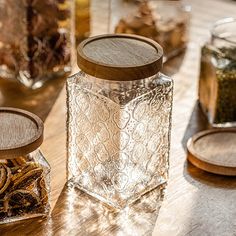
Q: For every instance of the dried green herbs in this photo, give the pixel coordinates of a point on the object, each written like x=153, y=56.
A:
x=217, y=88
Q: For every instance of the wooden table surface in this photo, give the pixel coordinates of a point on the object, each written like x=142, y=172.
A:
x=196, y=203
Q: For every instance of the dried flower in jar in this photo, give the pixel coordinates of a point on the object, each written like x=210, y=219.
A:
x=22, y=187
x=34, y=39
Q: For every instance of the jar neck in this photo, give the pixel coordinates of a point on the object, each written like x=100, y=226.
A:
x=223, y=34
x=120, y=92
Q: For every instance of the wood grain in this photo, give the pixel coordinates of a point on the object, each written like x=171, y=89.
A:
x=196, y=204
x=21, y=132
x=214, y=151
x=114, y=57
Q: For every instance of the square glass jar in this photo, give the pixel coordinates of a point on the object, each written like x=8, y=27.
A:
x=217, y=82
x=118, y=130
x=35, y=40
x=24, y=171
x=166, y=22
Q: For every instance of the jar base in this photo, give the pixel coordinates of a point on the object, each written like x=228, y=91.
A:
x=25, y=217
x=117, y=203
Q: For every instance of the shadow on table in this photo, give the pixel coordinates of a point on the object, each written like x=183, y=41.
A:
x=39, y=101
x=212, y=197
x=198, y=122
x=173, y=65
x=76, y=213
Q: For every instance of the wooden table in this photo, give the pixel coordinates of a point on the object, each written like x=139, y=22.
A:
x=196, y=204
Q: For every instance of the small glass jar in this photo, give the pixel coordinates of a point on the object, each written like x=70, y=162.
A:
x=24, y=172
x=166, y=22
x=217, y=82
x=35, y=40
x=119, y=116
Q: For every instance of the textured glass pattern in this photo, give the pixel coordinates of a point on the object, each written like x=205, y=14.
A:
x=24, y=187
x=118, y=136
x=34, y=40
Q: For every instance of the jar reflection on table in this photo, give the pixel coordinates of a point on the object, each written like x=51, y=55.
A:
x=166, y=22
x=119, y=121
x=217, y=83
x=35, y=40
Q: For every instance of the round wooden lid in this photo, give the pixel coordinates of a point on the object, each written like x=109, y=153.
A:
x=21, y=132
x=214, y=151
x=120, y=57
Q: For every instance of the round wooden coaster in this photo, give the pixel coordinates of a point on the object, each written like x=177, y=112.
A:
x=21, y=132
x=214, y=151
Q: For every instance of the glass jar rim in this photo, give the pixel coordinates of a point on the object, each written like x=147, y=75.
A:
x=219, y=23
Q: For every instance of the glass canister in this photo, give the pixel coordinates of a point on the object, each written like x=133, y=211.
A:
x=119, y=116
x=35, y=40
x=217, y=83
x=166, y=22
x=24, y=172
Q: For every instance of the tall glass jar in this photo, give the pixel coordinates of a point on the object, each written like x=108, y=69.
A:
x=166, y=22
x=35, y=40
x=119, y=115
x=217, y=83
x=24, y=172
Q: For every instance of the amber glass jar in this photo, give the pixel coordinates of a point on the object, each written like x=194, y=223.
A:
x=35, y=40
x=24, y=172
x=217, y=83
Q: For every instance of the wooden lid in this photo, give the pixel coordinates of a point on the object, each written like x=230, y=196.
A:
x=120, y=57
x=214, y=151
x=21, y=132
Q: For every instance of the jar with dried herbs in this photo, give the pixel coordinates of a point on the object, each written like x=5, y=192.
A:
x=24, y=172
x=217, y=83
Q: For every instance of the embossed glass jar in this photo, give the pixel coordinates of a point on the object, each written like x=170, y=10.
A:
x=119, y=114
x=217, y=83
x=35, y=40
x=24, y=172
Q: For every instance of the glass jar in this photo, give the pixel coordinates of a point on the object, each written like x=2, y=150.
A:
x=217, y=83
x=34, y=40
x=24, y=172
x=119, y=114
x=166, y=22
